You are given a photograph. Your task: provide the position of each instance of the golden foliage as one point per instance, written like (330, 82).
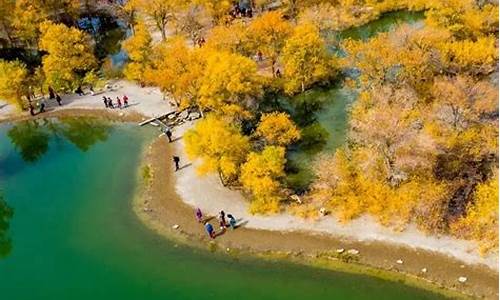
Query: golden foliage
(305, 59)
(177, 69)
(269, 32)
(27, 18)
(218, 9)
(138, 48)
(260, 175)
(481, 221)
(69, 54)
(234, 38)
(13, 81)
(160, 11)
(220, 146)
(474, 57)
(277, 129)
(229, 85)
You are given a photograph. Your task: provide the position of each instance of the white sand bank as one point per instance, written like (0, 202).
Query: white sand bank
(210, 196)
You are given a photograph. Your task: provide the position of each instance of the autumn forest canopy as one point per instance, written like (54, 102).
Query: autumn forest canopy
(422, 138)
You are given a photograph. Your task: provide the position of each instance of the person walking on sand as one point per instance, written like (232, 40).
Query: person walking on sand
(58, 99)
(42, 106)
(222, 220)
(232, 221)
(168, 133)
(105, 100)
(210, 230)
(176, 160)
(51, 93)
(110, 103)
(79, 91)
(119, 101)
(32, 109)
(199, 215)
(125, 100)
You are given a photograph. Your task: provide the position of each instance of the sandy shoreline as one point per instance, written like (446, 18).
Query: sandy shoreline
(172, 198)
(160, 208)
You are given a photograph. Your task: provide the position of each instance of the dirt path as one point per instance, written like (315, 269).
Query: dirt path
(148, 102)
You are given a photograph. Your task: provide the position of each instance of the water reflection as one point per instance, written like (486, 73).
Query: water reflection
(6, 214)
(32, 138)
(84, 132)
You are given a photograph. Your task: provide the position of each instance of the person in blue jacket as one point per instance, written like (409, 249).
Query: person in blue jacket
(210, 230)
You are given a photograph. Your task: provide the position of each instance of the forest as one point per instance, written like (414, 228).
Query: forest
(422, 138)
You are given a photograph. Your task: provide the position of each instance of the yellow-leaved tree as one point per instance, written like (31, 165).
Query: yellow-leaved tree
(234, 38)
(269, 33)
(277, 129)
(138, 48)
(219, 145)
(230, 85)
(28, 16)
(177, 69)
(305, 59)
(160, 11)
(13, 81)
(473, 57)
(218, 9)
(261, 175)
(481, 220)
(70, 55)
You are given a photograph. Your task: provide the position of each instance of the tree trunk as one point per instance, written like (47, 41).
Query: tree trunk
(221, 178)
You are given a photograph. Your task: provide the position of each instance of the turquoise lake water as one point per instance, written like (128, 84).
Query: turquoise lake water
(73, 234)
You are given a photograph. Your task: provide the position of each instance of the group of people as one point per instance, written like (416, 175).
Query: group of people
(108, 102)
(241, 11)
(41, 104)
(224, 223)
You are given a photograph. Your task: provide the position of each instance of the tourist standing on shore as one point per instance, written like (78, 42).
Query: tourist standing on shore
(58, 99)
(42, 106)
(176, 160)
(105, 100)
(232, 221)
(199, 215)
(32, 109)
(168, 133)
(210, 230)
(79, 91)
(51, 93)
(222, 219)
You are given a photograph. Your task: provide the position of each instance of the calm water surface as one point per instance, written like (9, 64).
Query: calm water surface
(73, 234)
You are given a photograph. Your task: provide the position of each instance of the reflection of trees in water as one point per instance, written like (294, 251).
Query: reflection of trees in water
(6, 214)
(84, 132)
(31, 138)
